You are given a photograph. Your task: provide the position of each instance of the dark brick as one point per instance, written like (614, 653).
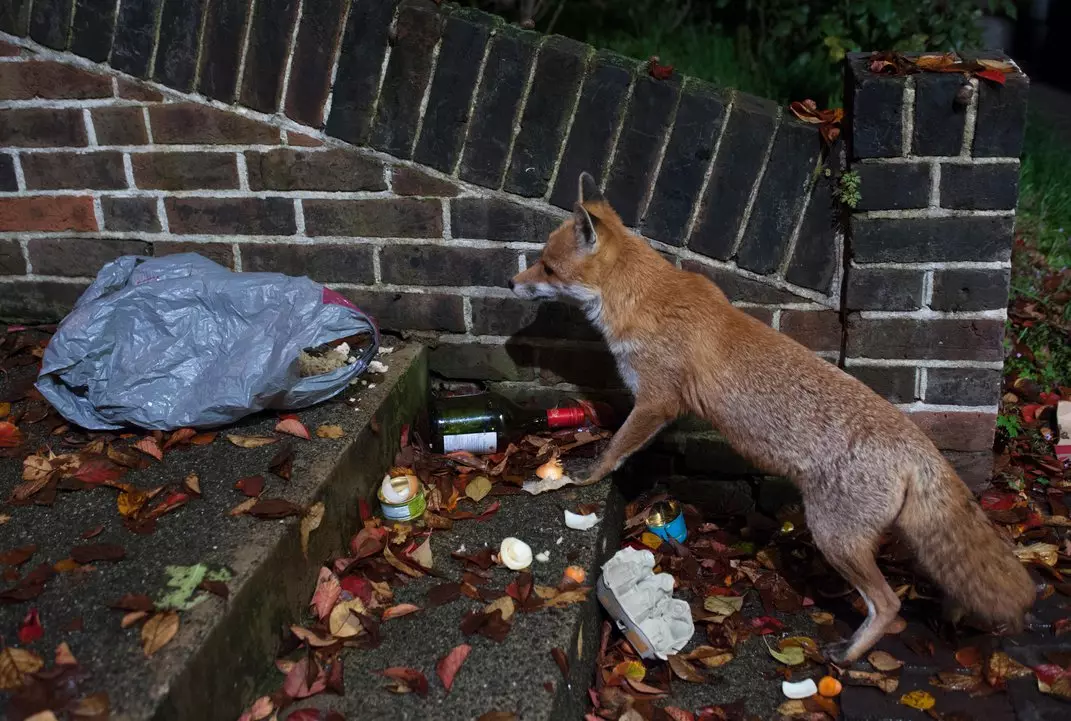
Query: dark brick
(71, 171)
(185, 171)
(937, 339)
(765, 315)
(348, 263)
(446, 118)
(921, 240)
(479, 362)
(411, 311)
(559, 73)
(739, 288)
(438, 265)
(513, 316)
(31, 79)
(79, 257)
(896, 385)
(91, 31)
(874, 109)
(38, 301)
(265, 58)
(963, 386)
(135, 33)
(375, 218)
(11, 260)
(15, 17)
(336, 169)
(135, 90)
(498, 100)
(817, 255)
(50, 21)
(130, 214)
(9, 50)
(310, 67)
(964, 289)
(221, 253)
(963, 431)
(8, 181)
(406, 80)
(979, 187)
(47, 213)
(636, 158)
(231, 216)
(494, 219)
(411, 181)
(584, 367)
(599, 112)
(122, 125)
(884, 289)
(221, 47)
(189, 123)
(781, 199)
(1001, 119)
(700, 115)
(177, 53)
(819, 330)
(939, 123)
(751, 126)
(893, 186)
(976, 470)
(360, 62)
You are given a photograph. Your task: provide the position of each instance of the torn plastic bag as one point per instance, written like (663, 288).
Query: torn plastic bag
(180, 341)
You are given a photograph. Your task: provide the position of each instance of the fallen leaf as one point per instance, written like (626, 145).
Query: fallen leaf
(999, 667)
(504, 604)
(344, 621)
(1044, 553)
(98, 552)
(251, 486)
(216, 588)
(273, 508)
(133, 602)
(469, 516)
(936, 63)
(790, 656)
(31, 629)
(406, 680)
(312, 519)
(182, 435)
(133, 617)
(192, 484)
(303, 681)
(657, 70)
(921, 700)
(204, 439)
(293, 427)
(312, 638)
(282, 463)
(243, 508)
(478, 488)
(567, 598)
(18, 556)
(722, 606)
(64, 657)
(16, 663)
(42, 716)
(330, 432)
(969, 656)
(328, 589)
(684, 670)
(150, 447)
(884, 661)
(444, 593)
(447, 667)
(562, 660)
(96, 706)
(10, 435)
(251, 441)
(5, 409)
(422, 554)
(992, 75)
(158, 631)
(888, 684)
(402, 609)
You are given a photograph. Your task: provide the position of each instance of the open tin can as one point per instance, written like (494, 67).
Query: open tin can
(666, 521)
(406, 501)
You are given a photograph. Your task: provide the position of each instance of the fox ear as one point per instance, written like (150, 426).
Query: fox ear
(589, 189)
(584, 229)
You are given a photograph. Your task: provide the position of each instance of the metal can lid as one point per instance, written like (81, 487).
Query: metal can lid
(663, 513)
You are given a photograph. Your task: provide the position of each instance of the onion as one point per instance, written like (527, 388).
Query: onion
(515, 554)
(801, 689)
(551, 470)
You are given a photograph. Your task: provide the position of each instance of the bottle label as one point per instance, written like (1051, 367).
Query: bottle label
(471, 442)
(565, 417)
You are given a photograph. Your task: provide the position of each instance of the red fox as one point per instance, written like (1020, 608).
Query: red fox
(861, 465)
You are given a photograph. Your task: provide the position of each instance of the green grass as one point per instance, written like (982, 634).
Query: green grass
(1045, 194)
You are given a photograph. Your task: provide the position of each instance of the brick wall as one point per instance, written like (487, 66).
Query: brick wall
(414, 157)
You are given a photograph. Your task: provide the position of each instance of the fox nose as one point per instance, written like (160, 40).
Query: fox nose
(511, 283)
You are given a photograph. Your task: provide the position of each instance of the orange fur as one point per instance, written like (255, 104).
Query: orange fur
(861, 465)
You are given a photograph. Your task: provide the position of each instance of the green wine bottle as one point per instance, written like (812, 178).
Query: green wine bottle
(485, 423)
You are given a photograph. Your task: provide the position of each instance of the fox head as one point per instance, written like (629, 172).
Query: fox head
(578, 254)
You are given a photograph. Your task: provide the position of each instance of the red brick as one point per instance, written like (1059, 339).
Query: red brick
(222, 253)
(410, 181)
(7, 50)
(131, 90)
(51, 213)
(374, 218)
(189, 123)
(301, 140)
(237, 216)
(42, 128)
(964, 431)
(819, 330)
(763, 314)
(50, 80)
(185, 171)
(334, 169)
(72, 171)
(122, 125)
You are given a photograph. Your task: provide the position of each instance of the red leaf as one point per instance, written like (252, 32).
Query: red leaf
(1030, 411)
(658, 71)
(297, 683)
(272, 508)
(31, 628)
(18, 556)
(216, 588)
(10, 435)
(97, 552)
(402, 609)
(251, 486)
(293, 427)
(410, 679)
(368, 542)
(150, 447)
(764, 625)
(993, 500)
(562, 661)
(358, 587)
(92, 532)
(133, 602)
(469, 515)
(327, 592)
(282, 463)
(992, 75)
(448, 665)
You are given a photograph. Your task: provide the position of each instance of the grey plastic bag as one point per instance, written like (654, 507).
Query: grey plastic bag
(180, 341)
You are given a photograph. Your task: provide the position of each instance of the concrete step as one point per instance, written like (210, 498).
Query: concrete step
(209, 669)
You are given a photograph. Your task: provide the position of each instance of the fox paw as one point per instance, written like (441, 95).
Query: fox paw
(837, 651)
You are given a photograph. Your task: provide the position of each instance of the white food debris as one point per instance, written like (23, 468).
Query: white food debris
(377, 367)
(543, 556)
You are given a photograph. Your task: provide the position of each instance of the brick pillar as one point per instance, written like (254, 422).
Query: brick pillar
(929, 248)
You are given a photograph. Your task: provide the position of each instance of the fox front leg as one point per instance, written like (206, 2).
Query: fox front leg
(642, 424)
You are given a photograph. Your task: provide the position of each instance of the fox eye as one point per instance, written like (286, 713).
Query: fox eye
(550, 271)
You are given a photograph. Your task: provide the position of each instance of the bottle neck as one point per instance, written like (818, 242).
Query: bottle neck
(566, 417)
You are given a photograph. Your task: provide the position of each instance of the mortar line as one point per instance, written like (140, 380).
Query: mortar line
(935, 185)
(246, 37)
(236, 254)
(923, 376)
(24, 247)
(970, 120)
(299, 217)
(907, 118)
(148, 125)
(199, 55)
(243, 171)
(374, 109)
(128, 171)
(91, 131)
(161, 215)
(157, 26)
(336, 55)
(98, 212)
(20, 175)
(280, 105)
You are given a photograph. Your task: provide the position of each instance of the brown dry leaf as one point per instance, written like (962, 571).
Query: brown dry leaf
(888, 684)
(1000, 66)
(66, 565)
(150, 447)
(403, 567)
(293, 427)
(204, 439)
(478, 488)
(936, 63)
(343, 623)
(158, 631)
(1044, 553)
(133, 500)
(719, 658)
(684, 670)
(504, 604)
(331, 432)
(96, 706)
(922, 700)
(422, 555)
(193, 484)
(251, 441)
(5, 409)
(182, 435)
(312, 638)
(999, 667)
(567, 598)
(64, 657)
(402, 609)
(131, 618)
(242, 508)
(15, 663)
(36, 468)
(884, 661)
(312, 519)
(42, 716)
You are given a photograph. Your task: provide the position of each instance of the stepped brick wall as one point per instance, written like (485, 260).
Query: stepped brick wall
(414, 157)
